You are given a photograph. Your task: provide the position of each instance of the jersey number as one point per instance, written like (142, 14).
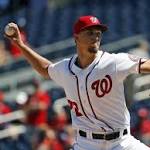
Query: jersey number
(74, 106)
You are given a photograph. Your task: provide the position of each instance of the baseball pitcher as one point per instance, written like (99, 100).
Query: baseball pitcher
(93, 83)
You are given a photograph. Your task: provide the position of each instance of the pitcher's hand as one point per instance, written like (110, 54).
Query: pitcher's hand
(16, 36)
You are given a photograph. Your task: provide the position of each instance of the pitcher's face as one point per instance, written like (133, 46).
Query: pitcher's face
(89, 39)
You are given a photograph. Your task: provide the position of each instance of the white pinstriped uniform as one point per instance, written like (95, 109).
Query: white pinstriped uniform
(96, 97)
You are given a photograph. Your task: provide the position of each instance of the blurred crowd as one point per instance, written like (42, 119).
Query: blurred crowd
(142, 129)
(47, 126)
(140, 111)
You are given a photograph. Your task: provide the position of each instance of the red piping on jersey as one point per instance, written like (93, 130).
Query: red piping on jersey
(77, 83)
(89, 97)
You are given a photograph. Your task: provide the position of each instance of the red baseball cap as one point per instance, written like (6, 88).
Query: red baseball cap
(88, 21)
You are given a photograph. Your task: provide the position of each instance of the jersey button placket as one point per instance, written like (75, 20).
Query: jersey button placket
(83, 91)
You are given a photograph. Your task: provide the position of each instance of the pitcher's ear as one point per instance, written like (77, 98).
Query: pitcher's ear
(75, 41)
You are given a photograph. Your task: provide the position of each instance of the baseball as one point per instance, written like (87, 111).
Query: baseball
(9, 30)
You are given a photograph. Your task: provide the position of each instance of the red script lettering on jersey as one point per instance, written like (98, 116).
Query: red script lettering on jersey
(103, 86)
(73, 105)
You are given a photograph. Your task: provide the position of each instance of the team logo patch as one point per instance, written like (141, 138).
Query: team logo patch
(103, 86)
(94, 19)
(134, 58)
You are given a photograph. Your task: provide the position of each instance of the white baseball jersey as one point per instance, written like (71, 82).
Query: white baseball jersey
(96, 93)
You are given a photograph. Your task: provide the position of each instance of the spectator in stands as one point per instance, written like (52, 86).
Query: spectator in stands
(51, 142)
(61, 117)
(22, 103)
(144, 125)
(35, 106)
(38, 105)
(66, 136)
(61, 124)
(4, 108)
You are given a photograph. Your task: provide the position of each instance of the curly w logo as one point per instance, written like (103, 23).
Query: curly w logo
(103, 86)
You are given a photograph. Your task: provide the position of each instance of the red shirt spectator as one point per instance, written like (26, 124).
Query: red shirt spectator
(39, 103)
(145, 126)
(14, 49)
(143, 113)
(4, 109)
(51, 142)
